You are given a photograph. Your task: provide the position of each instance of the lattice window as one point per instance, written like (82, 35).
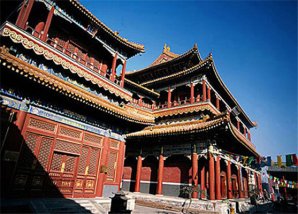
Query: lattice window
(56, 162)
(45, 149)
(70, 163)
(39, 124)
(67, 147)
(83, 159)
(27, 156)
(92, 138)
(114, 144)
(112, 164)
(93, 160)
(70, 132)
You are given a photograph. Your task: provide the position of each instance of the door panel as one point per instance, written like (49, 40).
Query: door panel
(85, 185)
(63, 172)
(33, 164)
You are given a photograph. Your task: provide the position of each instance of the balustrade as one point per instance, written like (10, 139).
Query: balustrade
(76, 54)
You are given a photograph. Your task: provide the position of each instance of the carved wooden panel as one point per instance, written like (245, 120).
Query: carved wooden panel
(114, 144)
(112, 164)
(45, 149)
(40, 124)
(57, 162)
(27, 157)
(67, 147)
(70, 132)
(83, 159)
(92, 139)
(93, 160)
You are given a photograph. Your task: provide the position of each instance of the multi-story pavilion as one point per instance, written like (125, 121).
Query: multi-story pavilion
(73, 126)
(198, 125)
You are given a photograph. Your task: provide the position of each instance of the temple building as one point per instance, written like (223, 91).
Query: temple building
(75, 124)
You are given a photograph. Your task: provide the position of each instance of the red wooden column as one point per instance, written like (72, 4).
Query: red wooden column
(245, 132)
(249, 136)
(209, 94)
(48, 23)
(160, 175)
(256, 181)
(194, 159)
(203, 182)
(229, 180)
(240, 183)
(20, 121)
(138, 174)
(123, 74)
(217, 179)
(192, 92)
(113, 74)
(238, 125)
(120, 168)
(24, 13)
(247, 182)
(103, 161)
(211, 177)
(204, 90)
(260, 183)
(217, 103)
(169, 97)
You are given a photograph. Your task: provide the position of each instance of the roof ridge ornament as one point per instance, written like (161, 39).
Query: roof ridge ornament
(195, 46)
(166, 48)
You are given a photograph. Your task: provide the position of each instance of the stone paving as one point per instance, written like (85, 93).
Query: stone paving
(145, 203)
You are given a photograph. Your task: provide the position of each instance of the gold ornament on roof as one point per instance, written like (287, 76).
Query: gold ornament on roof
(166, 48)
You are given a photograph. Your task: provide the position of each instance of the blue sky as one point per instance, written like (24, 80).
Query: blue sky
(254, 45)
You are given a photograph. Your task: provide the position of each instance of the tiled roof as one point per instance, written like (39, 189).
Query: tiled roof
(179, 127)
(124, 41)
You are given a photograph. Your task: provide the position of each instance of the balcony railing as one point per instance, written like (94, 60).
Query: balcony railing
(76, 54)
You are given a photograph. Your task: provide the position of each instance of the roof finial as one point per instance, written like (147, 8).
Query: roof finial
(195, 46)
(166, 48)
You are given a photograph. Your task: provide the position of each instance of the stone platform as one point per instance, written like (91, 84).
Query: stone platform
(196, 206)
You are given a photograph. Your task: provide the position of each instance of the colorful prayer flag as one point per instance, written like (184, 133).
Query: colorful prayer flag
(250, 160)
(295, 161)
(289, 160)
(279, 160)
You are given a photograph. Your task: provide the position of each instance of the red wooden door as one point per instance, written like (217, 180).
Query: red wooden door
(245, 187)
(234, 187)
(62, 172)
(223, 186)
(31, 173)
(85, 184)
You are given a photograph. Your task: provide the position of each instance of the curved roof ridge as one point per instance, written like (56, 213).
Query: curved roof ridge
(180, 127)
(142, 87)
(84, 10)
(253, 124)
(178, 73)
(192, 50)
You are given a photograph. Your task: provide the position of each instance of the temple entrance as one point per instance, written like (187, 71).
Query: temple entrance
(62, 172)
(87, 170)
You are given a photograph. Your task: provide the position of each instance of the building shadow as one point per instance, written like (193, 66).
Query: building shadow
(26, 187)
